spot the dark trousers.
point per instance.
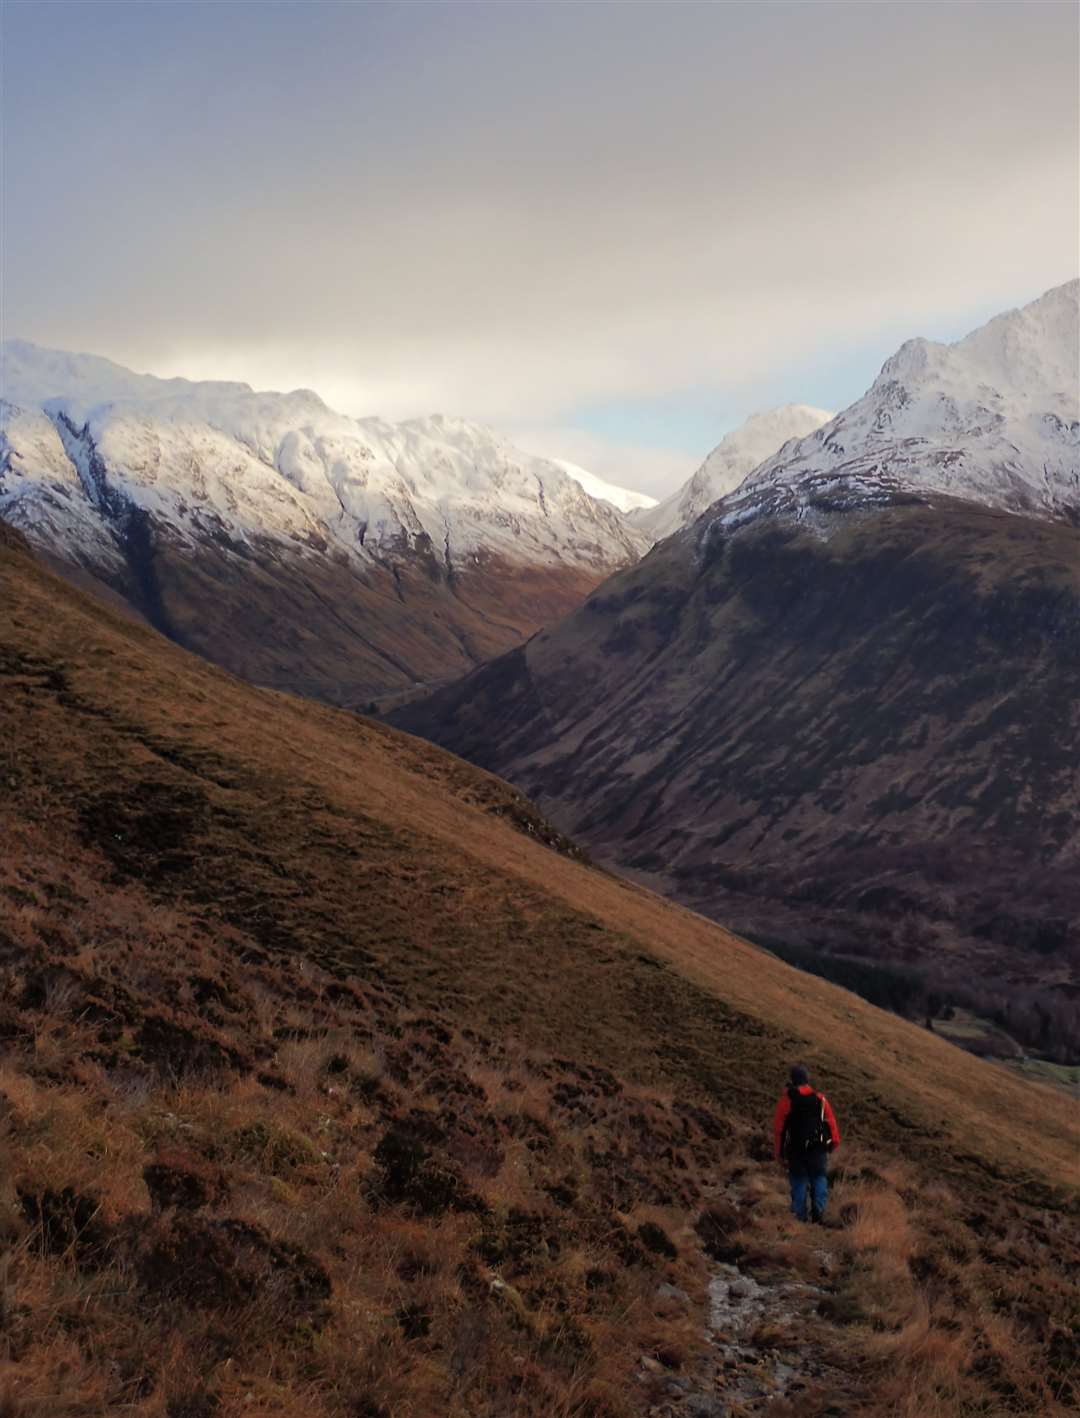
(809, 1174)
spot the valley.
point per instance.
(840, 711)
(539, 710)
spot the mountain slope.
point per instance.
(838, 712)
(339, 556)
(736, 455)
(330, 1088)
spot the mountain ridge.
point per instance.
(625, 499)
(992, 418)
(346, 558)
(736, 456)
(366, 484)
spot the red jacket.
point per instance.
(783, 1108)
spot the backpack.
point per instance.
(806, 1128)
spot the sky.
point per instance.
(611, 230)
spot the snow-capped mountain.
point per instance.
(624, 498)
(993, 419)
(83, 437)
(841, 710)
(345, 557)
(736, 455)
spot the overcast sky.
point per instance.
(613, 230)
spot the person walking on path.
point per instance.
(804, 1133)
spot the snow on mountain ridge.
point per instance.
(624, 498)
(992, 419)
(214, 458)
(735, 456)
(28, 370)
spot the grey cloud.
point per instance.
(509, 211)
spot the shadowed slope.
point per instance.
(862, 741)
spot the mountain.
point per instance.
(347, 558)
(623, 498)
(727, 465)
(840, 711)
(335, 1082)
(991, 419)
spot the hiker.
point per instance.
(804, 1133)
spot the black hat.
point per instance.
(800, 1074)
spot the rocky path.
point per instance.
(764, 1343)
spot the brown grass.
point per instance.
(246, 939)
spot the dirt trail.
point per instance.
(742, 1313)
(760, 1347)
(765, 1339)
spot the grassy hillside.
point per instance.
(335, 1082)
